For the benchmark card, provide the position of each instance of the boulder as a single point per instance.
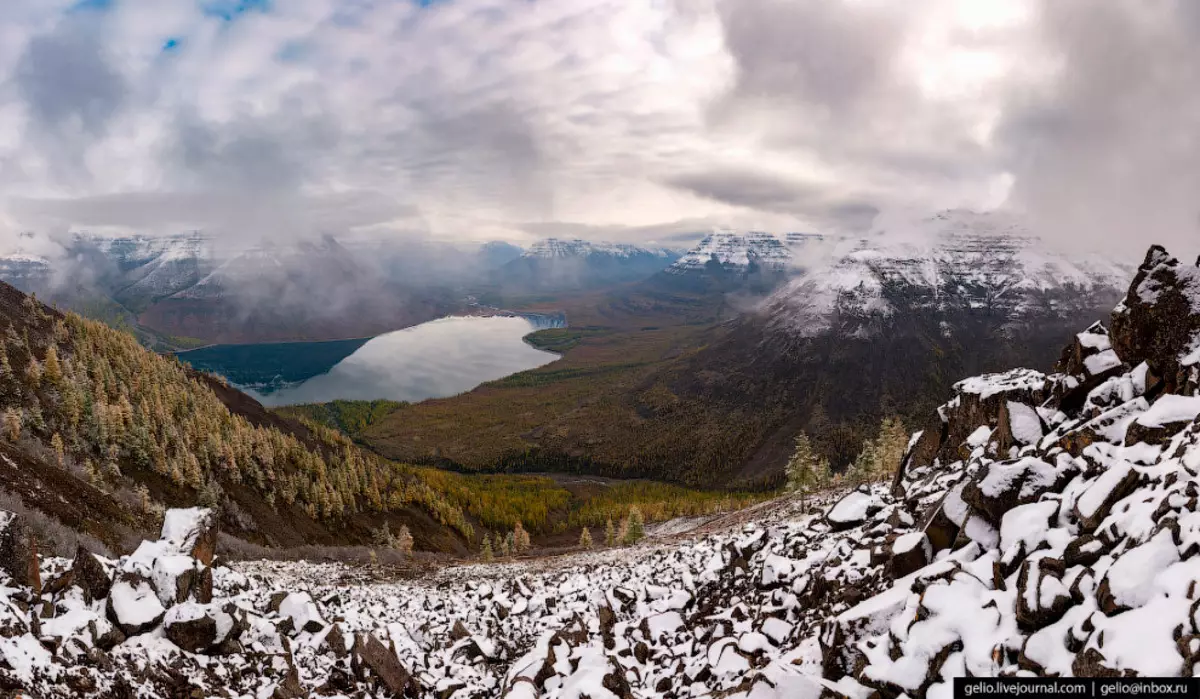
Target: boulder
(191, 634)
(191, 531)
(1158, 322)
(910, 553)
(1042, 598)
(852, 510)
(90, 575)
(1166, 417)
(302, 611)
(1094, 504)
(370, 655)
(1084, 346)
(133, 605)
(979, 401)
(999, 487)
(18, 552)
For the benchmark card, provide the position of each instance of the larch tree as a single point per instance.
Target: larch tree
(636, 529)
(585, 538)
(807, 472)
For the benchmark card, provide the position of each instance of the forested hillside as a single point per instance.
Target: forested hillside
(85, 404)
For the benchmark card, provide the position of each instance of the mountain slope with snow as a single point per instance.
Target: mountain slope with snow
(987, 262)
(734, 252)
(555, 264)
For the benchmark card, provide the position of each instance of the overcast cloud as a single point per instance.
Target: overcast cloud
(480, 119)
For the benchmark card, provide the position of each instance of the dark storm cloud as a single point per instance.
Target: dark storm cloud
(67, 82)
(1109, 148)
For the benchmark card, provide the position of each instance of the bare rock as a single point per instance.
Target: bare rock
(369, 655)
(1158, 322)
(90, 575)
(18, 552)
(193, 635)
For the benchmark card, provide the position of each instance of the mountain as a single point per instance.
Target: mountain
(866, 328)
(729, 261)
(151, 268)
(571, 265)
(734, 252)
(497, 253)
(184, 289)
(985, 262)
(307, 290)
(1041, 525)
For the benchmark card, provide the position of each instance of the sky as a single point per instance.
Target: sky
(635, 121)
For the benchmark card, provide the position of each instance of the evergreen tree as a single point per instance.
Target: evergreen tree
(510, 546)
(585, 538)
(610, 534)
(52, 371)
(623, 530)
(890, 447)
(865, 467)
(635, 530)
(485, 551)
(806, 471)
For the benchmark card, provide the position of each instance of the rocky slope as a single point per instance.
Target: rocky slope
(1042, 524)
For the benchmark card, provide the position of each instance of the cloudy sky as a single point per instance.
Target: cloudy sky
(479, 119)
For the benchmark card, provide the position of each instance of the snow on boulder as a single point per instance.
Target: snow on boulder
(852, 510)
(657, 626)
(18, 552)
(191, 531)
(179, 578)
(1168, 415)
(301, 610)
(1003, 486)
(133, 605)
(1026, 526)
(1022, 424)
(910, 553)
(197, 628)
(1130, 581)
(1086, 345)
(1093, 505)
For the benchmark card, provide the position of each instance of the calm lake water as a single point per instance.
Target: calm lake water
(440, 358)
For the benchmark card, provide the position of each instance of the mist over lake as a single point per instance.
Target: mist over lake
(436, 359)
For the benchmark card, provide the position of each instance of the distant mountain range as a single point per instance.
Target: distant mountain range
(555, 264)
(849, 329)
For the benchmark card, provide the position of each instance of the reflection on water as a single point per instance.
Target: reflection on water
(436, 359)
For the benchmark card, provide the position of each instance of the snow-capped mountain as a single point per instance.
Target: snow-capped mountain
(735, 252)
(550, 248)
(555, 264)
(25, 271)
(157, 267)
(960, 260)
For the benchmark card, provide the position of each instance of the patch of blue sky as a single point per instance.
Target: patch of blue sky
(229, 10)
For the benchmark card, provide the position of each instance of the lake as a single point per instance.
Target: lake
(436, 359)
